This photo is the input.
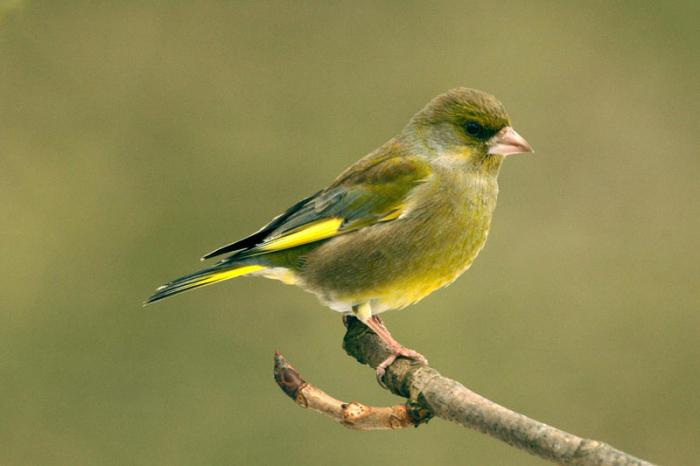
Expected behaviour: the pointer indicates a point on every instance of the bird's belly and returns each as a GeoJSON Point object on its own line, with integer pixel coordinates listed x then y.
{"type": "Point", "coordinates": [392, 266]}
{"type": "Point", "coordinates": [403, 293]}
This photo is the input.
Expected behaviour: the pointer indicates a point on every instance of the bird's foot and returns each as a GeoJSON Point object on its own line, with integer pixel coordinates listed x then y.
{"type": "Point", "coordinates": [398, 351]}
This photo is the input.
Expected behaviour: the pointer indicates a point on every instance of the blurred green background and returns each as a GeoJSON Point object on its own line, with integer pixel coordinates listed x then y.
{"type": "Point", "coordinates": [135, 136]}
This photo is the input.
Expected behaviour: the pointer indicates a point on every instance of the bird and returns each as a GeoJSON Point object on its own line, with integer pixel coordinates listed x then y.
{"type": "Point", "coordinates": [401, 222]}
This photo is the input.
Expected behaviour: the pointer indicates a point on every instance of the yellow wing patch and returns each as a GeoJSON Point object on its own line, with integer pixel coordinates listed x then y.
{"type": "Point", "coordinates": [315, 231]}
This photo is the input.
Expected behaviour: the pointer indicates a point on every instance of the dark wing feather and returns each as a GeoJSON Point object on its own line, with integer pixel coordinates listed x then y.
{"type": "Point", "coordinates": [260, 235]}
{"type": "Point", "coordinates": [374, 192]}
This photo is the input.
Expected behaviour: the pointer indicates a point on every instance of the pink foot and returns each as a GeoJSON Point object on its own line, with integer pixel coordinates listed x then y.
{"type": "Point", "coordinates": [399, 351]}
{"type": "Point", "coordinates": [377, 326]}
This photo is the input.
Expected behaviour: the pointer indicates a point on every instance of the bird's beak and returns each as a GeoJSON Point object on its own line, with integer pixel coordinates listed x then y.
{"type": "Point", "coordinates": [508, 142]}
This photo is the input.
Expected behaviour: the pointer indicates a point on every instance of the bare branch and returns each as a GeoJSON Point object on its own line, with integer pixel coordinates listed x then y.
{"type": "Point", "coordinates": [432, 394]}
{"type": "Point", "coordinates": [353, 415]}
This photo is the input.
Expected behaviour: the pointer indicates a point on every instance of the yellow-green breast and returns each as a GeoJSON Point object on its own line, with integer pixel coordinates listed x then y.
{"type": "Point", "coordinates": [397, 263]}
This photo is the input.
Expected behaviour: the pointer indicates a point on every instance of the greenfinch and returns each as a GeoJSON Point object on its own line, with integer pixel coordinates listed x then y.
{"type": "Point", "coordinates": [403, 221]}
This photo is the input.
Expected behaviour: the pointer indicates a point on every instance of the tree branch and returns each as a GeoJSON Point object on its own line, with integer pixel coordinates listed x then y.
{"type": "Point", "coordinates": [353, 415]}
{"type": "Point", "coordinates": [431, 394]}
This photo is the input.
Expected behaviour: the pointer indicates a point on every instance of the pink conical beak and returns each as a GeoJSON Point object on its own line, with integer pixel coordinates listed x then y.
{"type": "Point", "coordinates": [508, 142]}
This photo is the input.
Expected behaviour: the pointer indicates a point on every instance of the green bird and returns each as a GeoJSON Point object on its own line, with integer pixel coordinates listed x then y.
{"type": "Point", "coordinates": [403, 221]}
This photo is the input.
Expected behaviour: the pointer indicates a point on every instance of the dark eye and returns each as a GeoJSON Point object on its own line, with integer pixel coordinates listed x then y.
{"type": "Point", "coordinates": [473, 128]}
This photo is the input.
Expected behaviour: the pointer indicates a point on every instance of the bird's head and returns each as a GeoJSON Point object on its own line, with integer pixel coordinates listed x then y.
{"type": "Point", "coordinates": [467, 125]}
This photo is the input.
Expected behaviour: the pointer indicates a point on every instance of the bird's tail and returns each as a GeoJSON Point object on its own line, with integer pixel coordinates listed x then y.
{"type": "Point", "coordinates": [217, 273]}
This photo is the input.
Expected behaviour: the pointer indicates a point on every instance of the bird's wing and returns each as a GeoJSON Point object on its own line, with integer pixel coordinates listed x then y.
{"type": "Point", "coordinates": [372, 191]}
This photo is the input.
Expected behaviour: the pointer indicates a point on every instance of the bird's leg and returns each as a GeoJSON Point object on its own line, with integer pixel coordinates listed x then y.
{"type": "Point", "coordinates": [364, 313]}
{"type": "Point", "coordinates": [377, 326]}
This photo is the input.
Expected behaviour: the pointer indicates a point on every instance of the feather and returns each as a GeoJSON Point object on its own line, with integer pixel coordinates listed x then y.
{"type": "Point", "coordinates": [375, 193]}
{"type": "Point", "coordinates": [203, 277]}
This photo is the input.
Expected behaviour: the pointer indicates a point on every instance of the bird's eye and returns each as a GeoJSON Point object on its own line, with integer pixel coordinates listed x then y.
{"type": "Point", "coordinates": [473, 128]}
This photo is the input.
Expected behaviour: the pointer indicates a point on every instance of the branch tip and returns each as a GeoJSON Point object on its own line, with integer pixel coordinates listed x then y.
{"type": "Point", "coordinates": [287, 378]}
{"type": "Point", "coordinates": [353, 415]}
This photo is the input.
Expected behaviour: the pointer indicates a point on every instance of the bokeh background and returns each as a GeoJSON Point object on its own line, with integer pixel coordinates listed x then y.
{"type": "Point", "coordinates": [135, 136]}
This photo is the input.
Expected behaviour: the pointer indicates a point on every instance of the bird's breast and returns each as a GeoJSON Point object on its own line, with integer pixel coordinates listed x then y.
{"type": "Point", "coordinates": [398, 263]}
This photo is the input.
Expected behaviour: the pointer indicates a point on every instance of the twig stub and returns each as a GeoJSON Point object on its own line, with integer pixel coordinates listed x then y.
{"type": "Point", "coordinates": [353, 415]}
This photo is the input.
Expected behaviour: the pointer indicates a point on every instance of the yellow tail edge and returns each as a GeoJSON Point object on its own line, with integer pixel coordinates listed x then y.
{"type": "Point", "coordinates": [198, 279]}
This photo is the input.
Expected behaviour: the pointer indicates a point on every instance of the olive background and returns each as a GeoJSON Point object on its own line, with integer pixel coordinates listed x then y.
{"type": "Point", "coordinates": [136, 136]}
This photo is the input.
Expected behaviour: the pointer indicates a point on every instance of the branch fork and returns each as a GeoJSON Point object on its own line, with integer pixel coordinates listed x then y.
{"type": "Point", "coordinates": [428, 394]}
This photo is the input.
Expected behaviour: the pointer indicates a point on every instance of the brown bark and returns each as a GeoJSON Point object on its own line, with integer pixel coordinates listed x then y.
{"type": "Point", "coordinates": [354, 415]}
{"type": "Point", "coordinates": [431, 394]}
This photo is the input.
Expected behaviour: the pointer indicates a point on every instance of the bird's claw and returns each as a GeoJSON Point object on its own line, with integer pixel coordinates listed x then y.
{"type": "Point", "coordinates": [398, 352]}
